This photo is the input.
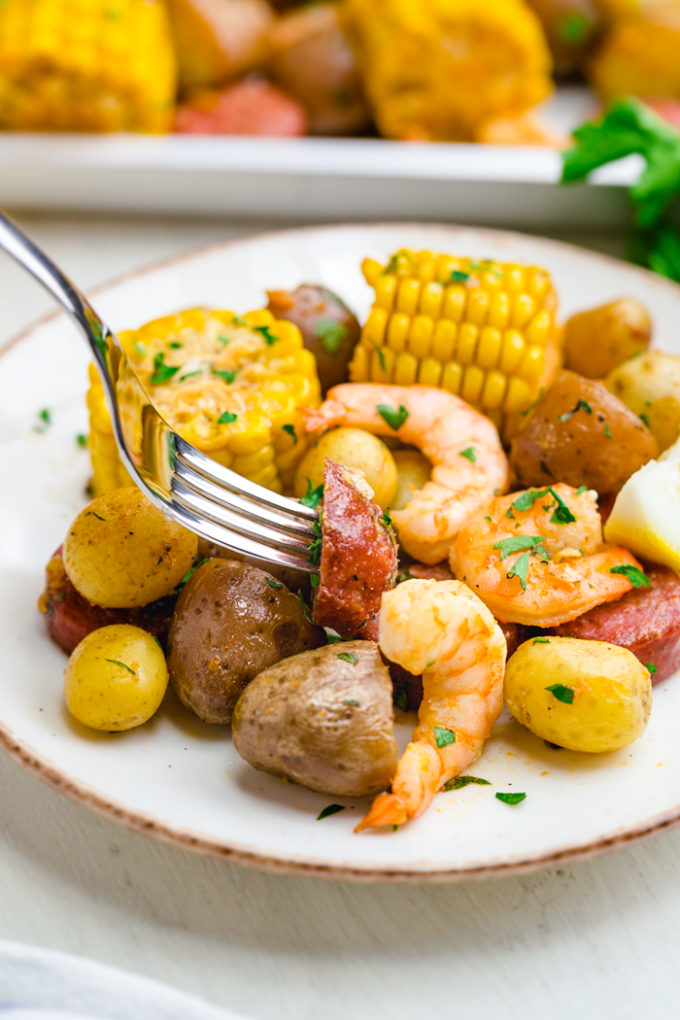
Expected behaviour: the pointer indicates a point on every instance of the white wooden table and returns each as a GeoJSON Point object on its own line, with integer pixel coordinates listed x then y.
{"type": "Point", "coordinates": [599, 939]}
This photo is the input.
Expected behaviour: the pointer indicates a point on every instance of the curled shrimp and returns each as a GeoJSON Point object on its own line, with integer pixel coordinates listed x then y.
{"type": "Point", "coordinates": [537, 557]}
{"type": "Point", "coordinates": [442, 630]}
{"type": "Point", "coordinates": [469, 465]}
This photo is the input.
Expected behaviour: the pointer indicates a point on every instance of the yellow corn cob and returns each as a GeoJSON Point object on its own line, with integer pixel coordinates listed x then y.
{"type": "Point", "coordinates": [86, 65]}
{"type": "Point", "coordinates": [232, 386]}
{"type": "Point", "coordinates": [435, 69]}
{"type": "Point", "coordinates": [483, 330]}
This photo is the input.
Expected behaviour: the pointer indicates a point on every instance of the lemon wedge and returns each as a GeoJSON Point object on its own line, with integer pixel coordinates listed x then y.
{"type": "Point", "coordinates": [646, 514]}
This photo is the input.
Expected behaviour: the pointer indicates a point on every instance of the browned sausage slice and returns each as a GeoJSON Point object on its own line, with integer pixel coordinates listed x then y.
{"type": "Point", "coordinates": [358, 555]}
{"type": "Point", "coordinates": [645, 620]}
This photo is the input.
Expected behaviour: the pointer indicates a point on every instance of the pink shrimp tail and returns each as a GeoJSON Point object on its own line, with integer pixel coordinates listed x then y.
{"type": "Point", "coordinates": [414, 786]}
{"type": "Point", "coordinates": [331, 412]}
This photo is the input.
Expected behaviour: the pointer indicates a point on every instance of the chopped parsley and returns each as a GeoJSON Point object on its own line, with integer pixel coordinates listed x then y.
{"type": "Point", "coordinates": [386, 520]}
{"type": "Point", "coordinates": [607, 430]}
{"type": "Point", "coordinates": [162, 372]}
{"type": "Point", "coordinates": [305, 607]}
{"type": "Point", "coordinates": [313, 496]}
{"type": "Point", "coordinates": [541, 641]}
{"type": "Point", "coordinates": [562, 693]}
{"type": "Point", "coordinates": [91, 513]}
{"type": "Point", "coordinates": [175, 345]}
{"type": "Point", "coordinates": [332, 809]}
{"type": "Point", "coordinates": [460, 781]}
{"type": "Point", "coordinates": [101, 343]}
{"type": "Point", "coordinates": [581, 489]}
{"type": "Point", "coordinates": [45, 420]}
{"type": "Point", "coordinates": [520, 570]}
{"type": "Point", "coordinates": [381, 354]}
{"type": "Point", "coordinates": [403, 575]}
{"type": "Point", "coordinates": [574, 28]}
{"type": "Point", "coordinates": [224, 339]}
{"type": "Point", "coordinates": [188, 375]}
{"type": "Point", "coordinates": [198, 562]}
{"type": "Point", "coordinates": [581, 405]}
{"type": "Point", "coordinates": [644, 419]}
{"type": "Point", "coordinates": [516, 543]}
{"type": "Point", "coordinates": [350, 657]}
{"type": "Point", "coordinates": [238, 320]}
{"type": "Point", "coordinates": [511, 798]}
{"type": "Point", "coordinates": [469, 454]}
{"type": "Point", "coordinates": [123, 665]}
{"type": "Point", "coordinates": [140, 348]}
{"type": "Point", "coordinates": [290, 429]}
{"type": "Point", "coordinates": [274, 584]}
{"type": "Point", "coordinates": [269, 337]}
{"type": "Point", "coordinates": [637, 577]}
{"type": "Point", "coordinates": [226, 418]}
{"type": "Point", "coordinates": [225, 374]}
{"type": "Point", "coordinates": [563, 514]}
{"type": "Point", "coordinates": [444, 736]}
{"type": "Point", "coordinates": [651, 668]}
{"type": "Point", "coordinates": [334, 639]}
{"type": "Point", "coordinates": [81, 439]}
{"type": "Point", "coordinates": [458, 276]}
{"type": "Point", "coordinates": [331, 333]}
{"type": "Point", "coordinates": [352, 702]}
{"type": "Point", "coordinates": [395, 419]}
{"type": "Point", "coordinates": [314, 580]}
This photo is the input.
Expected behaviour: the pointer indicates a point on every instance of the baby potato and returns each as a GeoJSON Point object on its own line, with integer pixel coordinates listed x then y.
{"type": "Point", "coordinates": [353, 448]}
{"type": "Point", "coordinates": [121, 552]}
{"type": "Point", "coordinates": [583, 695]}
{"type": "Point", "coordinates": [598, 340]}
{"type": "Point", "coordinates": [650, 387]}
{"type": "Point", "coordinates": [413, 471]}
{"type": "Point", "coordinates": [115, 678]}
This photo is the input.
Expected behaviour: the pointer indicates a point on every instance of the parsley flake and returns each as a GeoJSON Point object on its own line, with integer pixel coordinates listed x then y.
{"type": "Point", "coordinates": [269, 337]}
{"type": "Point", "coordinates": [332, 809]}
{"type": "Point", "coordinates": [469, 454]}
{"type": "Point", "coordinates": [541, 641]}
{"type": "Point", "coordinates": [81, 439]}
{"type": "Point", "coordinates": [224, 339]}
{"type": "Point", "coordinates": [350, 657]}
{"type": "Point", "coordinates": [352, 702]}
{"type": "Point", "coordinates": [381, 354]}
{"type": "Point", "coordinates": [162, 373]}
{"type": "Point", "coordinates": [395, 419]}
{"type": "Point", "coordinates": [123, 665]}
{"type": "Point", "coordinates": [607, 430]}
{"type": "Point", "coordinates": [651, 668]}
{"type": "Point", "coordinates": [331, 333]}
{"type": "Point", "coordinates": [224, 373]}
{"type": "Point", "coordinates": [520, 570]}
{"type": "Point", "coordinates": [290, 429]}
{"type": "Point", "coordinates": [274, 584]}
{"type": "Point", "coordinates": [444, 736]}
{"type": "Point", "coordinates": [511, 798]}
{"type": "Point", "coordinates": [637, 577]}
{"type": "Point", "coordinates": [562, 693]}
{"type": "Point", "coordinates": [460, 781]}
{"type": "Point", "coordinates": [517, 543]}
{"type": "Point", "coordinates": [226, 418]}
{"type": "Point", "coordinates": [140, 348]}
{"type": "Point", "coordinates": [305, 607]}
{"type": "Point", "coordinates": [313, 496]}
{"type": "Point", "coordinates": [458, 276]}
{"type": "Point", "coordinates": [189, 375]}
{"type": "Point", "coordinates": [581, 405]}
{"type": "Point", "coordinates": [581, 489]}
{"type": "Point", "coordinates": [314, 580]}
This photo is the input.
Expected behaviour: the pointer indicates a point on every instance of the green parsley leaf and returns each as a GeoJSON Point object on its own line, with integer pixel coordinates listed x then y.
{"type": "Point", "coordinates": [637, 577]}
{"type": "Point", "coordinates": [395, 419]}
{"type": "Point", "coordinates": [269, 337]}
{"type": "Point", "coordinates": [198, 562]}
{"type": "Point", "coordinates": [224, 339]}
{"type": "Point", "coordinates": [381, 354]}
{"type": "Point", "coordinates": [81, 439]}
{"type": "Point", "coordinates": [511, 798]}
{"type": "Point", "coordinates": [45, 420]}
{"type": "Point", "coordinates": [352, 703]}
{"type": "Point", "coordinates": [305, 607]}
{"type": "Point", "coordinates": [332, 809]}
{"type": "Point", "coordinates": [460, 781]}
{"type": "Point", "coordinates": [331, 333]}
{"type": "Point", "coordinates": [581, 405]}
{"type": "Point", "coordinates": [162, 372]}
{"type": "Point", "coordinates": [334, 639]}
{"type": "Point", "coordinates": [526, 499]}
{"type": "Point", "coordinates": [140, 348]}
{"type": "Point", "coordinates": [226, 418]}
{"type": "Point", "coordinates": [520, 570]}
{"type": "Point", "coordinates": [350, 657]}
{"type": "Point", "coordinates": [224, 373]}
{"type": "Point", "coordinates": [516, 543]}
{"type": "Point", "coordinates": [644, 419]}
{"type": "Point", "coordinates": [444, 736]}
{"type": "Point", "coordinates": [238, 320]}
{"type": "Point", "coordinates": [469, 454]}
{"type": "Point", "coordinates": [562, 693]}
{"type": "Point", "coordinates": [651, 667]}
{"type": "Point", "coordinates": [563, 514]}
{"type": "Point", "coordinates": [386, 520]}
{"type": "Point", "coordinates": [607, 430]}
{"type": "Point", "coordinates": [188, 375]}
{"type": "Point", "coordinates": [314, 580]}
{"type": "Point", "coordinates": [403, 575]}
{"type": "Point", "coordinates": [574, 28]}
{"type": "Point", "coordinates": [313, 496]}
{"type": "Point", "coordinates": [92, 513]}
{"type": "Point", "coordinates": [99, 339]}
{"type": "Point", "coordinates": [458, 276]}
{"type": "Point", "coordinates": [290, 429]}
{"type": "Point", "coordinates": [274, 584]}
{"type": "Point", "coordinates": [123, 665]}
{"type": "Point", "coordinates": [175, 345]}
{"type": "Point", "coordinates": [581, 489]}
{"type": "Point", "coordinates": [541, 641]}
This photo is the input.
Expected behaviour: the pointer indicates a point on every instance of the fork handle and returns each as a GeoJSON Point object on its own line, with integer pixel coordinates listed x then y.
{"type": "Point", "coordinates": [26, 253]}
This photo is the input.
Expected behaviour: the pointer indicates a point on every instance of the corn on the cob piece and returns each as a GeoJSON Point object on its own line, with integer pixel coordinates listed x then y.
{"type": "Point", "coordinates": [86, 65]}
{"type": "Point", "coordinates": [483, 330]}
{"type": "Point", "coordinates": [231, 385]}
{"type": "Point", "coordinates": [434, 69]}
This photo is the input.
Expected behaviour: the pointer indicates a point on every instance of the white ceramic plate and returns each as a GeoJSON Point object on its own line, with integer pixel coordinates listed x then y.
{"type": "Point", "coordinates": [314, 179]}
{"type": "Point", "coordinates": [180, 780]}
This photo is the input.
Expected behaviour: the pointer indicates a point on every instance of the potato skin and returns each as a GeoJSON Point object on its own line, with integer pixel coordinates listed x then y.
{"type": "Point", "coordinates": [598, 340]}
{"type": "Point", "coordinates": [115, 678]}
{"type": "Point", "coordinates": [612, 693]}
{"type": "Point", "coordinates": [231, 621]}
{"type": "Point", "coordinates": [581, 434]}
{"type": "Point", "coordinates": [121, 552]}
{"type": "Point", "coordinates": [650, 386]}
{"type": "Point", "coordinates": [353, 448]}
{"type": "Point", "coordinates": [298, 719]}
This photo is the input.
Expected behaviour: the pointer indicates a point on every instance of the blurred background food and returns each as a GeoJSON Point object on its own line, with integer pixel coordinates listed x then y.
{"type": "Point", "coordinates": [419, 70]}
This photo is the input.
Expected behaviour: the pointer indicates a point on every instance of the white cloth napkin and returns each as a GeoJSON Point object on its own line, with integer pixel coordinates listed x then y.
{"type": "Point", "coordinates": [41, 984]}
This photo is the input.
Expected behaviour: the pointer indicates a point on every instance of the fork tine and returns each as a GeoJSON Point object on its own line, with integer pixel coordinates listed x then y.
{"type": "Point", "coordinates": [199, 504]}
{"type": "Point", "coordinates": [232, 501]}
{"type": "Point", "coordinates": [228, 479]}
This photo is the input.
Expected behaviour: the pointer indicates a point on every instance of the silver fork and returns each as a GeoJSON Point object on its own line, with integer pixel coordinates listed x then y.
{"type": "Point", "coordinates": [197, 492]}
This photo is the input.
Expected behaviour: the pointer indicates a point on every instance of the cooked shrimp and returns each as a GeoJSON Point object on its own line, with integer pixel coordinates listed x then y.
{"type": "Point", "coordinates": [442, 630]}
{"type": "Point", "coordinates": [537, 557]}
{"type": "Point", "coordinates": [468, 462]}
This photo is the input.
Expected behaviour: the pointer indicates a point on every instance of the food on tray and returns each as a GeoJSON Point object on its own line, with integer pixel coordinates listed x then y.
{"type": "Point", "coordinates": [433, 71]}
{"type": "Point", "coordinates": [537, 557]}
{"type": "Point", "coordinates": [639, 57]}
{"type": "Point", "coordinates": [599, 339]}
{"type": "Point", "coordinates": [356, 554]}
{"type": "Point", "coordinates": [231, 621]}
{"type": "Point", "coordinates": [645, 515]}
{"type": "Point", "coordinates": [101, 67]}
{"type": "Point", "coordinates": [425, 571]}
{"type": "Point", "coordinates": [646, 621]}
{"type": "Point", "coordinates": [572, 27]}
{"type": "Point", "coordinates": [483, 330]}
{"type": "Point", "coordinates": [650, 387]}
{"type": "Point", "coordinates": [576, 433]}
{"type": "Point", "coordinates": [116, 678]}
{"type": "Point", "coordinates": [232, 385]}
{"type": "Point", "coordinates": [329, 329]}
{"type": "Point", "coordinates": [218, 39]}
{"type": "Point", "coordinates": [584, 695]}
{"type": "Point", "coordinates": [250, 107]}
{"type": "Point", "coordinates": [121, 552]}
{"type": "Point", "coordinates": [323, 719]}
{"type": "Point", "coordinates": [311, 57]}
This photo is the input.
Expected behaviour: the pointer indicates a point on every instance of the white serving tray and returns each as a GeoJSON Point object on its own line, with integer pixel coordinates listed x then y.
{"type": "Point", "coordinates": [313, 179]}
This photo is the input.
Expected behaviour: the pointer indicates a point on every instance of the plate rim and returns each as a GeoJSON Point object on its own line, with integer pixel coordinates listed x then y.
{"type": "Point", "coordinates": [143, 823]}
